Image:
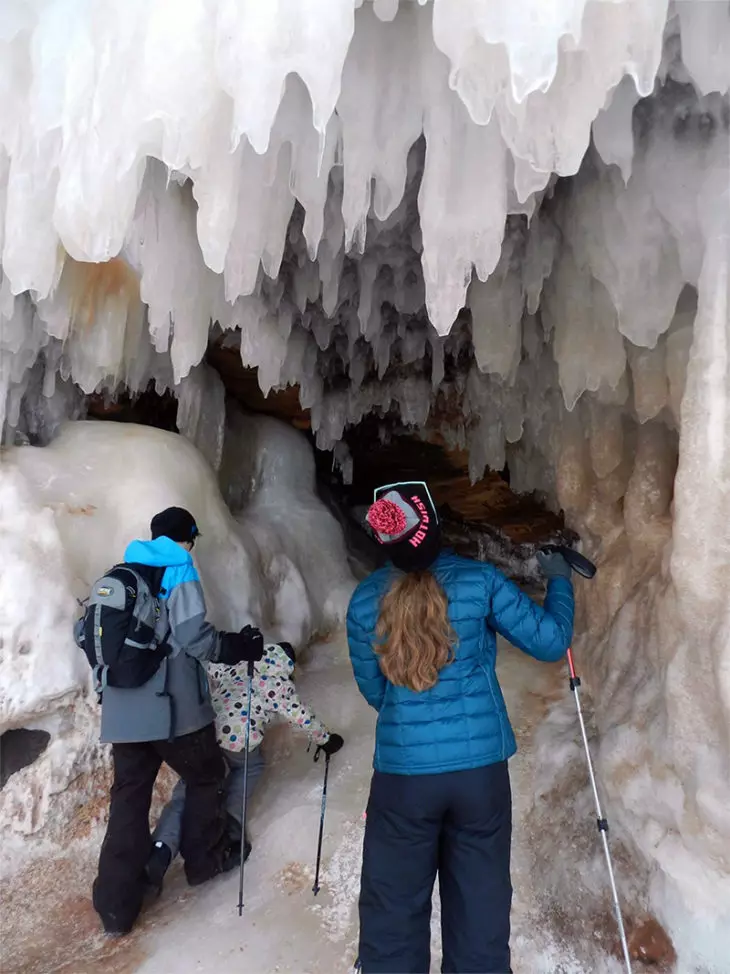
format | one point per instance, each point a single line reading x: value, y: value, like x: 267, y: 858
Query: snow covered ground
x: 49, y: 927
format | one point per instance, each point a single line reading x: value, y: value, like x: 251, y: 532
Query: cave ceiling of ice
x: 490, y: 218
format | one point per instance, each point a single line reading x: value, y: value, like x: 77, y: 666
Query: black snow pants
x: 120, y: 884
x: 458, y: 825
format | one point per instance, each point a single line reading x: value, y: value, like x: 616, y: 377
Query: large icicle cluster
x: 161, y: 170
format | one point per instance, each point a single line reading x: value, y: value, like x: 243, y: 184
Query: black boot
x: 232, y: 858
x: 157, y: 865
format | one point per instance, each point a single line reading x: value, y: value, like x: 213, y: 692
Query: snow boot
x: 114, y: 928
x: 157, y: 865
x: 232, y: 858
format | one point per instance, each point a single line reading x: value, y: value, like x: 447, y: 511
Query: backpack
x: 120, y: 629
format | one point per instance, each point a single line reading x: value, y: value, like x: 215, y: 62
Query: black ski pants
x: 458, y: 825
x: 120, y: 884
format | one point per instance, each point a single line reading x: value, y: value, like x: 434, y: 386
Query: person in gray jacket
x: 168, y: 719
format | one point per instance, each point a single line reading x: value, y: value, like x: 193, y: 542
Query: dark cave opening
x: 19, y: 748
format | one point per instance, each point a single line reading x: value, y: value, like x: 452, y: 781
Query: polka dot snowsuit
x: 274, y: 695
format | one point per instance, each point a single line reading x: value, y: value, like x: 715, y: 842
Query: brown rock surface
x: 649, y: 943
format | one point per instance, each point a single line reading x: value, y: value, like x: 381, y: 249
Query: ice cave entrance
x: 256, y: 259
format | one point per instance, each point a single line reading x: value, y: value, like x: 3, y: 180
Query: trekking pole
x: 601, y: 820
x: 316, y: 888
x: 587, y: 569
x: 244, y: 800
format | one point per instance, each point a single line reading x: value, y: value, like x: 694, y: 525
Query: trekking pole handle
x: 251, y: 665
x: 578, y: 562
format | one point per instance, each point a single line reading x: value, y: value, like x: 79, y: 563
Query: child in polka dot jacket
x: 274, y: 695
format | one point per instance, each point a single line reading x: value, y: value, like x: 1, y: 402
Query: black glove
x: 331, y: 746
x: 246, y: 646
x: 553, y: 564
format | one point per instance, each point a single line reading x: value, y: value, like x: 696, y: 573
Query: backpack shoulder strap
x: 152, y: 575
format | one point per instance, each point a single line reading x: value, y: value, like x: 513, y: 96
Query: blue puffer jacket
x: 462, y: 721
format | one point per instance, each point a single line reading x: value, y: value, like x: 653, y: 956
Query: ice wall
x: 68, y: 510
x: 268, y: 481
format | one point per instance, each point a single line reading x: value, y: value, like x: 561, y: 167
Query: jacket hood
x: 162, y: 552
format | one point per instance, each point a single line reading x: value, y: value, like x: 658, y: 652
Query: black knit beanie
x: 403, y: 517
x: 174, y: 523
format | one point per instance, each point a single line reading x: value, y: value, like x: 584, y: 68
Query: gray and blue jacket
x: 462, y: 721
x: 176, y: 700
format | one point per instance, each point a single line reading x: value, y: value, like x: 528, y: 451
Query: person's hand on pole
x: 246, y: 646
x: 331, y: 746
x: 553, y: 564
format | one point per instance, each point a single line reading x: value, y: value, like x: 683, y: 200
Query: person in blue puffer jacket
x: 422, y: 638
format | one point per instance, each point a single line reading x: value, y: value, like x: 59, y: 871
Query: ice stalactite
x: 206, y: 225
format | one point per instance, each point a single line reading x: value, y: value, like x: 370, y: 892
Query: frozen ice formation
x: 161, y: 171
x: 507, y: 224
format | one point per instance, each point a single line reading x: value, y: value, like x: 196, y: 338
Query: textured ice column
x: 201, y: 412
x: 574, y: 474
x: 496, y: 310
x: 264, y: 339
x: 543, y: 241
x: 28, y: 177
x: 697, y: 687
x: 702, y: 522
x: 606, y: 439
x: 679, y: 343
x: 312, y: 164
x: 462, y: 200
x: 381, y: 108
x: 41, y: 671
x: 296, y: 164
x: 650, y: 488
x: 613, y: 134
x: 705, y: 30
x: 528, y: 31
x: 624, y: 237
x: 486, y: 438
x: 32, y: 258
x: 100, y: 72
x: 551, y: 128
x: 22, y: 336
x: 48, y: 400
x: 649, y: 377
x: 180, y: 291
x: 265, y: 204
x: 687, y: 145
x: 97, y: 312
x: 588, y: 347
x: 257, y: 45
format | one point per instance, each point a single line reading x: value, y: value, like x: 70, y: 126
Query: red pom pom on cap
x: 385, y: 517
